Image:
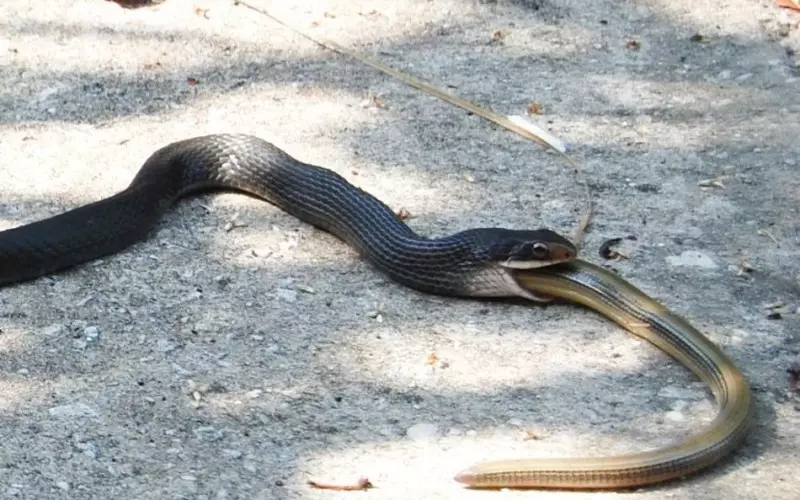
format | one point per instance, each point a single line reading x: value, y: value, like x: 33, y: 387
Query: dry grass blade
x: 513, y: 123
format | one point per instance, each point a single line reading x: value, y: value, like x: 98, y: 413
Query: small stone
x: 680, y: 405
x: 62, y: 485
x: 253, y: 394
x: 54, y: 329
x: 208, y: 433
x: 75, y: 410
x: 454, y: 431
x: 287, y: 295
x: 472, y: 433
x: 165, y: 346
x: 515, y: 422
x: 235, y: 454
x: 675, y: 416
x: 91, y: 333
x: 692, y: 258
x: 88, y: 449
x: 422, y: 432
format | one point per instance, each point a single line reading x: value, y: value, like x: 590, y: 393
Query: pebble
x: 54, y: 329
x: 88, y: 449
x: 675, y: 416
x: 287, y: 295
x: 422, y: 432
x: 165, y: 345
x: 75, y: 410
x: 91, y: 333
x: 63, y: 485
x: 692, y: 258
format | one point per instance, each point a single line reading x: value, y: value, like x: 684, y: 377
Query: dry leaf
x: 361, y: 484
x: 497, y: 37
x: 531, y: 435
x: 535, y: 108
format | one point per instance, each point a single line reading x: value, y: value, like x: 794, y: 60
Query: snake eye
x: 540, y: 250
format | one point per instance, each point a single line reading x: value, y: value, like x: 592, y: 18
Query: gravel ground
x: 239, y: 352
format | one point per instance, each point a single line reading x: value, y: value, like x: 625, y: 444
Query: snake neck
x: 443, y: 266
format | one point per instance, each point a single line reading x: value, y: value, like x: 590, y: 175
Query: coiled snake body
x: 489, y: 262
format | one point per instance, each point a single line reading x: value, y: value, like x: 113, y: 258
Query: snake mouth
x: 532, y: 264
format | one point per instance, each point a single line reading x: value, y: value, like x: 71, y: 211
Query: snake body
x: 486, y: 262
x: 459, y: 264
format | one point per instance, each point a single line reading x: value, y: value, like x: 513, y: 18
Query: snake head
x: 530, y: 249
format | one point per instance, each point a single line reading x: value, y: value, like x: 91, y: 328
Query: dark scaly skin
x: 467, y: 263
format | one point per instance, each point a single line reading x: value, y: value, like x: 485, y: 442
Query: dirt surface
x: 208, y: 363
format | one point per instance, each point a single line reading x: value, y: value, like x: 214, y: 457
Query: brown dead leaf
x: 497, y: 37
x: 633, y: 45
x: 373, y: 101
x: 531, y: 435
x: 432, y: 359
x: 535, y: 108
x: 403, y: 214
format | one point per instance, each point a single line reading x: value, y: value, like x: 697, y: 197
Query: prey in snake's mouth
x: 505, y: 252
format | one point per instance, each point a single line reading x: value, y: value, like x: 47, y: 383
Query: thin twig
x: 510, y: 123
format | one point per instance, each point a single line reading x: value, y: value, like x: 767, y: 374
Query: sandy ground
x: 199, y: 365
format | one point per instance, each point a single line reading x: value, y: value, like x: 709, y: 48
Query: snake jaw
x: 521, y: 291
x: 531, y: 264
